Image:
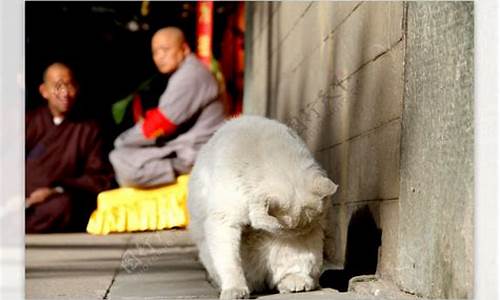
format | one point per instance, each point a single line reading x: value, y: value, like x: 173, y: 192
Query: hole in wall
x: 363, y: 241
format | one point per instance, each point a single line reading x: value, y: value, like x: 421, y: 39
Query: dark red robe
x: 68, y: 155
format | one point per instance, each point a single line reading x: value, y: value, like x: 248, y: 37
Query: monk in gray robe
x: 165, y: 143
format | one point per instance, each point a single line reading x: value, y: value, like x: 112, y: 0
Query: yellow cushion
x: 132, y: 209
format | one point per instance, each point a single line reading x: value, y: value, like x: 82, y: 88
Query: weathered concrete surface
x: 437, y: 174
x: 152, y: 265
x: 67, y: 266
x: 370, y: 285
x: 374, y: 182
x: 161, y: 265
x: 300, y: 55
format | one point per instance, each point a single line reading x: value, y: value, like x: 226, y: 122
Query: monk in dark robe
x: 65, y: 166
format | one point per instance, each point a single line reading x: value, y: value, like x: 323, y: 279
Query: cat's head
x: 304, y: 204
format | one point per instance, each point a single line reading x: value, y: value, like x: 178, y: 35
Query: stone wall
x: 334, y: 72
x: 437, y: 173
x: 381, y: 92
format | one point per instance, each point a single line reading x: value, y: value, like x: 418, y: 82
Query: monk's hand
x: 40, y: 195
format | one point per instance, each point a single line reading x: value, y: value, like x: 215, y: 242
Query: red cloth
x: 156, y: 124
x: 137, y: 108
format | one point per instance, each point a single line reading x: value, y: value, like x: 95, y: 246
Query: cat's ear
x: 323, y: 186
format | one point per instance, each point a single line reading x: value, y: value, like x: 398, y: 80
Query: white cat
x: 257, y: 203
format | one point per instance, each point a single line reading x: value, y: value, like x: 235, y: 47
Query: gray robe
x: 191, y: 102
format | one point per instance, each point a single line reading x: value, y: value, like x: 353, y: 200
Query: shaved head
x: 169, y: 49
x: 174, y: 33
x: 59, y: 88
x: 55, y: 66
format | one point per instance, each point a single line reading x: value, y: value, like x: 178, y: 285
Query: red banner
x: 204, y: 32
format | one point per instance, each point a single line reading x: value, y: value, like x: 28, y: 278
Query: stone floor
x: 154, y: 265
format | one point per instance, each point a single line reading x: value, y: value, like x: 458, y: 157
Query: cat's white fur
x: 256, y: 203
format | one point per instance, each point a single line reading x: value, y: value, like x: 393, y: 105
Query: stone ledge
x: 374, y: 286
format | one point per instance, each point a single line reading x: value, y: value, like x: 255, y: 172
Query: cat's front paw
x: 235, y: 293
x: 267, y: 223
x: 295, y: 283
